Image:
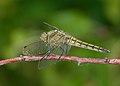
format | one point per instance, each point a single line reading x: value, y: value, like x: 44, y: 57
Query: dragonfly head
x: 44, y: 37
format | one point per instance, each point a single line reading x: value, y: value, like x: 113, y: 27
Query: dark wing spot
x: 25, y: 46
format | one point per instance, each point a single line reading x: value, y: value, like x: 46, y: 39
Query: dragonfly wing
x: 36, y: 48
x: 45, y: 63
x: 63, y: 49
x: 41, y: 48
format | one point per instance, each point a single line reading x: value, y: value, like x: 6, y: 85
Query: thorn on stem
x: 79, y: 63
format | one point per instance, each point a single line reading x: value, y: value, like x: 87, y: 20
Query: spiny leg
x: 46, y: 55
x: 65, y: 48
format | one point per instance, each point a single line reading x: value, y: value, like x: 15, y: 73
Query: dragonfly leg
x: 67, y: 49
x: 61, y: 53
x: 46, y: 55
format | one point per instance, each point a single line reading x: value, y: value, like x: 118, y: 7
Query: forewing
x: 39, y: 48
x: 36, y: 48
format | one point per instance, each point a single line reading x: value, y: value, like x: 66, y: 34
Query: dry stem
x: 55, y: 57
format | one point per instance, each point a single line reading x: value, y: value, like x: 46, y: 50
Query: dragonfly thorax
x: 53, y: 38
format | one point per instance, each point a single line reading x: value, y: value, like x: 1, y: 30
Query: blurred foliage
x: 93, y: 21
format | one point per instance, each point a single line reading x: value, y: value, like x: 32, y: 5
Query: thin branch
x: 68, y: 58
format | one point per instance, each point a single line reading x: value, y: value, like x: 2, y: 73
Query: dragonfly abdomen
x: 78, y: 43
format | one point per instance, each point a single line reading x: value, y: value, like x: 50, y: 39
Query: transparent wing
x: 41, y: 48
x: 63, y: 49
x: 45, y: 63
x: 58, y: 51
x: 36, y: 48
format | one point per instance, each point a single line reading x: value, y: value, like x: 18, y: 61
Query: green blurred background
x: 93, y: 21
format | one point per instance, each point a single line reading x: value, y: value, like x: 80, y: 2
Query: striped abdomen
x: 75, y: 42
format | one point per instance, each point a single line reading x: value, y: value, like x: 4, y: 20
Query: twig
x: 55, y: 57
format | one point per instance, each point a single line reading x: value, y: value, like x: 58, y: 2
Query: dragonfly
x: 58, y: 42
